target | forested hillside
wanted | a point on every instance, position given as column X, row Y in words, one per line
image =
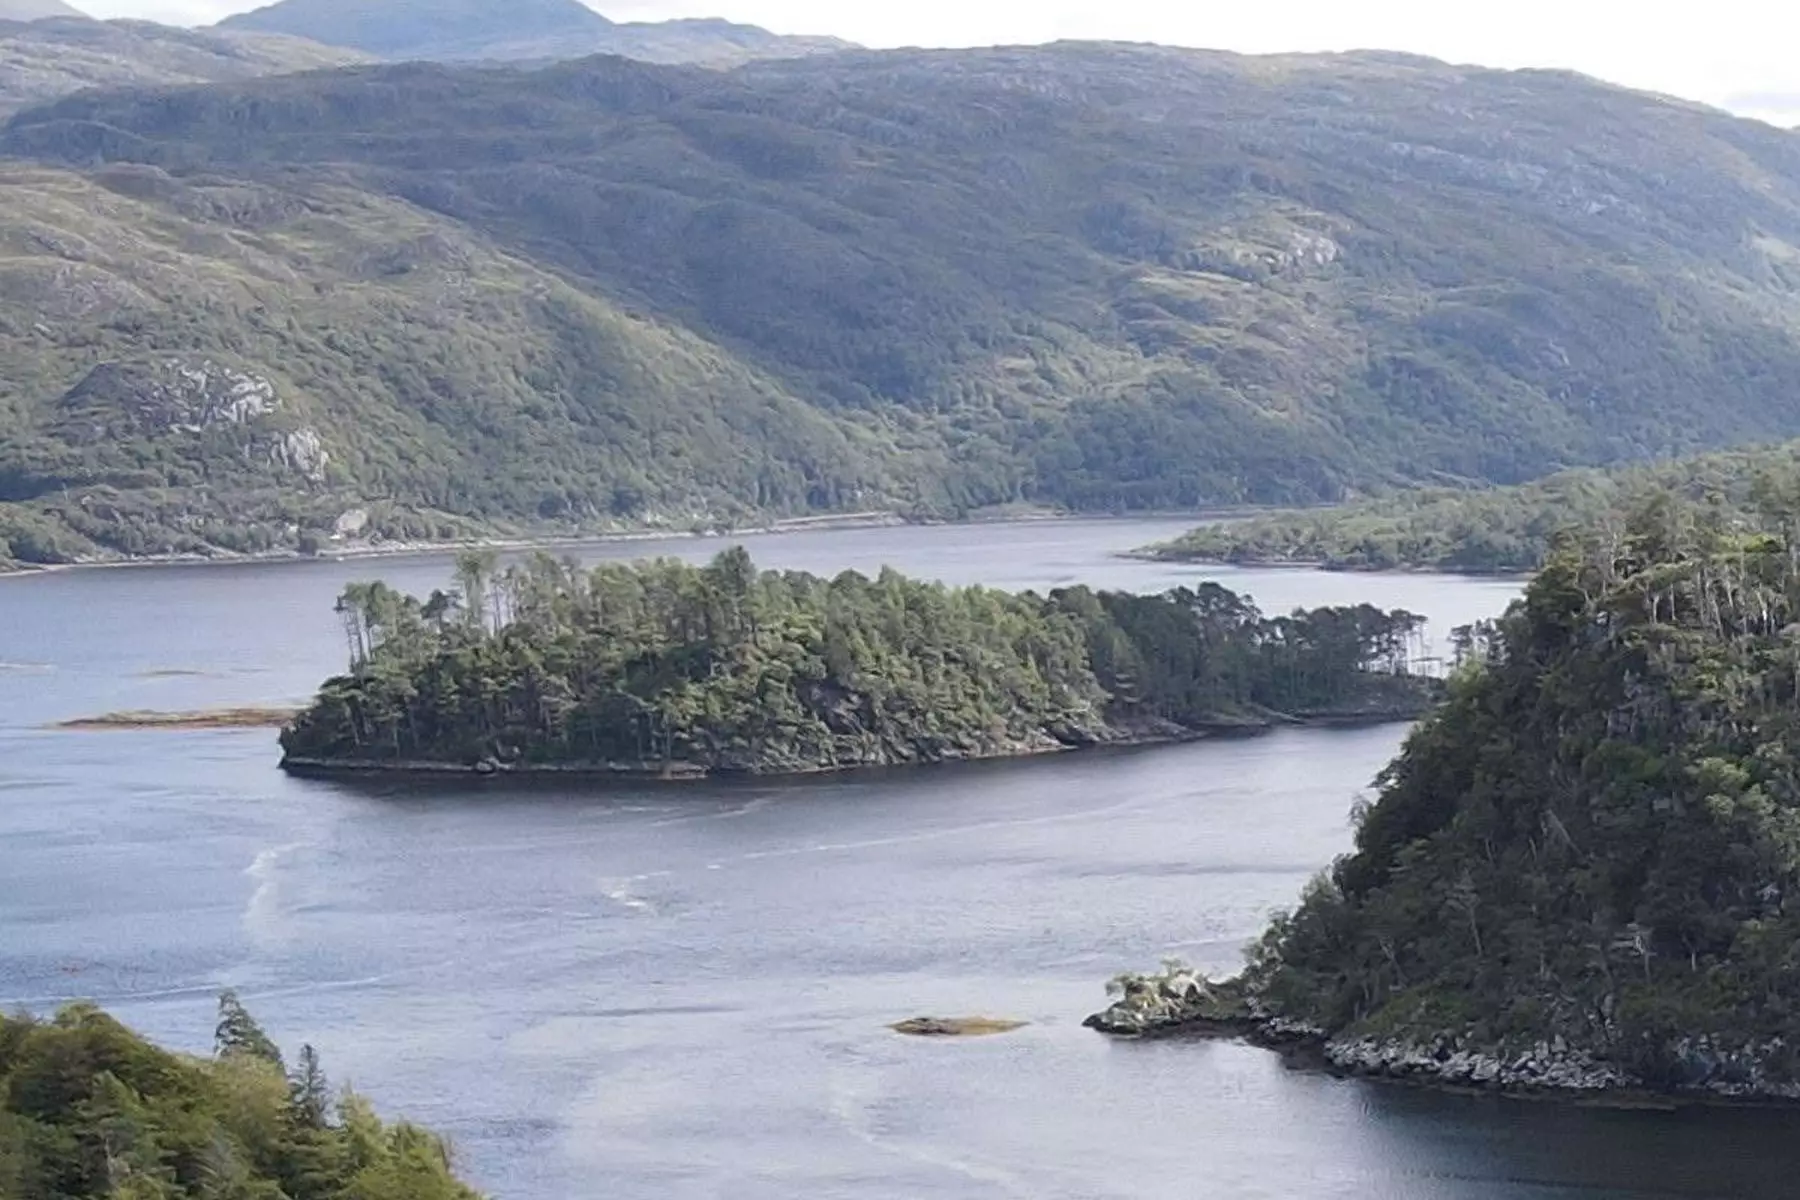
column 1089, row 276
column 663, row 668
column 1588, row 857
column 1494, row 530
column 90, row 1111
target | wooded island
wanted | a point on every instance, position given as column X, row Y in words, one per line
column 666, row 669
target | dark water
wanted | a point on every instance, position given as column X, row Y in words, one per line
column 682, row 993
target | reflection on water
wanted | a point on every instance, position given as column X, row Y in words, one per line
column 683, row 992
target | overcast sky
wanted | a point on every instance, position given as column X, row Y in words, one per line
column 1742, row 54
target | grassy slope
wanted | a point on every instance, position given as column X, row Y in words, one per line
column 1097, row 276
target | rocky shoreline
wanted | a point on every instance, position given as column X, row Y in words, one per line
column 1180, row 1002
column 1161, row 733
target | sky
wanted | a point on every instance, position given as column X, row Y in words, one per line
column 1737, row 54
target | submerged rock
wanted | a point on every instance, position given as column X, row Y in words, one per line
column 956, row 1026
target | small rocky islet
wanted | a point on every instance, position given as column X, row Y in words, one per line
column 956, row 1027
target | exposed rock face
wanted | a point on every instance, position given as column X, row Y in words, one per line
column 194, row 398
column 172, row 394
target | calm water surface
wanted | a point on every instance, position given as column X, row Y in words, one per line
column 673, row 993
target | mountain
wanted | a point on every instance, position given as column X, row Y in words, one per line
column 35, row 10
column 455, row 30
column 42, row 59
column 1580, row 873
column 1096, row 276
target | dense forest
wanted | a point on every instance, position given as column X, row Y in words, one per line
column 378, row 302
column 674, row 669
column 91, row 1111
column 1595, row 843
column 1492, row 531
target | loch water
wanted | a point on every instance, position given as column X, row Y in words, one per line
column 682, row 991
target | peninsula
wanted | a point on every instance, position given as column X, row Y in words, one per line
column 1582, row 872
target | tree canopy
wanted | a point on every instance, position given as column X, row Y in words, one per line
column 91, row 1111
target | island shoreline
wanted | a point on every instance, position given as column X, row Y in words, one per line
column 489, row 770
column 1546, row 1073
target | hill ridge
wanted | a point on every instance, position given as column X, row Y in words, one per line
column 472, row 30
column 1095, row 276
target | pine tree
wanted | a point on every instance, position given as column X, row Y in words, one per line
column 238, row 1034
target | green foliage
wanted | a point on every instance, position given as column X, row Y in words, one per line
column 89, row 1111
column 1597, row 837
column 668, row 667
column 1097, row 277
column 238, row 1034
column 1499, row 530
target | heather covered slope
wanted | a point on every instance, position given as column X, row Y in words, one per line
column 43, row 59
column 1094, row 276
column 468, row 30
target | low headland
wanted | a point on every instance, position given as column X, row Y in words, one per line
column 665, row 670
column 1495, row 531
column 1581, row 877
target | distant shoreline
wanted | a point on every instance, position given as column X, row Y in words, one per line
column 420, row 549
column 1323, row 566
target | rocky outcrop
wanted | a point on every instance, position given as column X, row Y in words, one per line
column 191, row 398
column 171, row 395
column 1551, row 1066
column 1177, row 1000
